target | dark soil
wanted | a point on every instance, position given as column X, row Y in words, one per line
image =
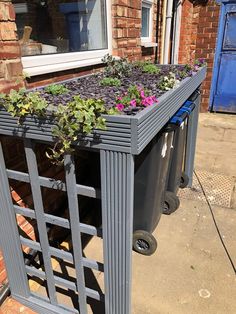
column 90, row 87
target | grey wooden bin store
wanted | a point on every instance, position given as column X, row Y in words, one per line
column 125, row 137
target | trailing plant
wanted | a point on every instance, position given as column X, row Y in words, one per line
column 74, row 121
column 20, row 104
column 56, row 89
column 110, row 81
column 168, row 82
column 116, row 67
column 136, row 97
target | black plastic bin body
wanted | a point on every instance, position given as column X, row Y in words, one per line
column 177, row 177
column 151, row 169
column 177, row 157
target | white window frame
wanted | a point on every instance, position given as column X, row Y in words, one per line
column 42, row 64
column 148, row 4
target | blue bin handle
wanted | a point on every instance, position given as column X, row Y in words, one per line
column 179, row 117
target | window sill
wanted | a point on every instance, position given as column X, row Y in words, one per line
column 49, row 68
column 148, row 44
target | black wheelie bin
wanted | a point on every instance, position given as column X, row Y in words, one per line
column 151, row 169
column 176, row 175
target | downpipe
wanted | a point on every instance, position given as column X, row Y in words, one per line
column 168, row 31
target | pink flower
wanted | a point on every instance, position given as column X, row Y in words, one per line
column 142, row 94
column 120, row 107
column 133, row 103
column 144, row 102
column 119, row 98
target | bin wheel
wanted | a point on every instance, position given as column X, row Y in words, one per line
column 171, row 203
column 144, row 242
column 184, row 180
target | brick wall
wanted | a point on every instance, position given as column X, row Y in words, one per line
column 198, row 39
column 10, row 69
column 126, row 30
column 10, row 64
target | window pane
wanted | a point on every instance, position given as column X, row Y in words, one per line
column 59, row 26
column 145, row 21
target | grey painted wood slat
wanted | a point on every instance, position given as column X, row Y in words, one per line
column 117, row 171
column 58, row 221
column 39, row 212
column 64, row 255
column 18, row 175
column 33, row 271
column 54, row 184
column 118, row 128
column 31, row 244
column 41, row 305
column 10, row 241
column 75, row 230
column 93, row 264
column 26, row 212
column 91, row 230
column 116, row 146
column 94, row 294
column 156, row 125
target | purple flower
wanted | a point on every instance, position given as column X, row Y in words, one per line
column 133, row 103
column 120, row 107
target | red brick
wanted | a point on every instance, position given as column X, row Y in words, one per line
column 8, row 31
column 6, row 12
column 3, row 276
column 6, row 86
column 9, row 50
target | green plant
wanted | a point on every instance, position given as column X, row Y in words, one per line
column 73, row 120
column 109, row 81
column 77, row 119
column 116, row 67
column 141, row 63
column 168, row 82
column 56, row 89
column 20, row 104
column 150, row 68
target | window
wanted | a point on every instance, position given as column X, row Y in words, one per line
column 60, row 34
column 146, row 34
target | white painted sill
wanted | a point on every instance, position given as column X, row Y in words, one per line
column 50, row 68
column 148, row 44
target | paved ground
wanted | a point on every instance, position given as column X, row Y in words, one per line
column 190, row 272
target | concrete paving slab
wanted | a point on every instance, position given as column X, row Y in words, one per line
column 226, row 220
column 190, row 272
column 216, row 144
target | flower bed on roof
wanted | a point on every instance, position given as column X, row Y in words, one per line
column 78, row 106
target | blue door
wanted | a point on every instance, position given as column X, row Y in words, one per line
column 223, row 93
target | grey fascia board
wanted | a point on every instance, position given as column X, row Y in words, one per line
column 129, row 134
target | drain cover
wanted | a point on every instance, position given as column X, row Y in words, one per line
column 218, row 189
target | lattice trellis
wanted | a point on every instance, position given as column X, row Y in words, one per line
column 117, row 190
